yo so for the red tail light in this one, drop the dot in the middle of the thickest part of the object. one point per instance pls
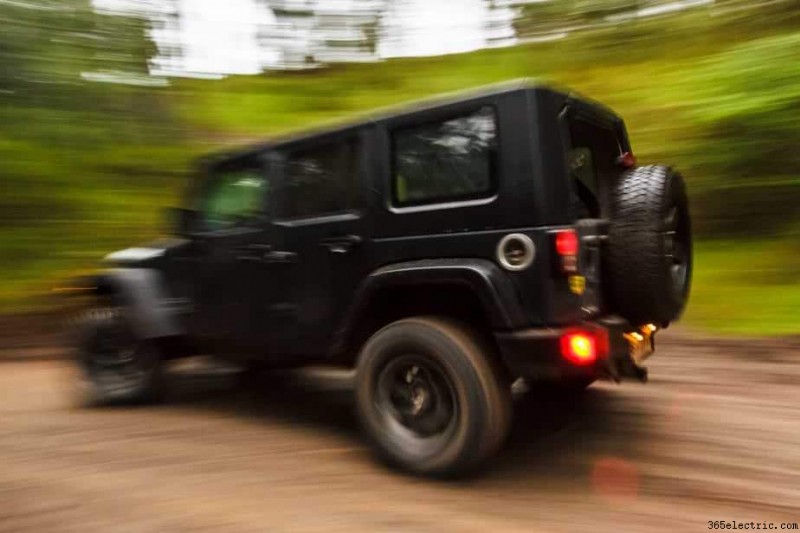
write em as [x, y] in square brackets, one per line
[626, 160]
[579, 347]
[567, 246]
[567, 242]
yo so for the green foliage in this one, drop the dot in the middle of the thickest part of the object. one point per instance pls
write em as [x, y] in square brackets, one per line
[83, 163]
[747, 112]
[598, 10]
[746, 288]
[751, 97]
[558, 15]
[89, 165]
[544, 17]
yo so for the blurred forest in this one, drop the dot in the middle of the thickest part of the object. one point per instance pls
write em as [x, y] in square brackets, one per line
[93, 144]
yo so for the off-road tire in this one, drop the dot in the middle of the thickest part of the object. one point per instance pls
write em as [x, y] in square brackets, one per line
[650, 231]
[481, 390]
[145, 385]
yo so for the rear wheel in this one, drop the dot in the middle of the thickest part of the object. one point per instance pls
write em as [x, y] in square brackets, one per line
[430, 398]
[118, 366]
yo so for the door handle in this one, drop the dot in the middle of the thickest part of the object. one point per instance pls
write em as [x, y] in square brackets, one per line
[280, 256]
[266, 255]
[341, 244]
[253, 253]
[263, 253]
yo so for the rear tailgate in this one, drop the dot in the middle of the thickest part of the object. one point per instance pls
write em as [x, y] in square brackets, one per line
[588, 282]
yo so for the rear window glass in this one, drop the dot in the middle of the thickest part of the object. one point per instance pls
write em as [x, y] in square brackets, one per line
[451, 159]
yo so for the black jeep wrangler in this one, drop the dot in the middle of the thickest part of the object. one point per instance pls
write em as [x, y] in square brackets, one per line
[444, 251]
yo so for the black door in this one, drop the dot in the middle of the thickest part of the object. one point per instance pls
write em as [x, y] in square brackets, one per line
[231, 259]
[321, 227]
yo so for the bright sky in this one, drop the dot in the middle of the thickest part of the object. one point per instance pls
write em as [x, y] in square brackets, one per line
[430, 27]
[220, 37]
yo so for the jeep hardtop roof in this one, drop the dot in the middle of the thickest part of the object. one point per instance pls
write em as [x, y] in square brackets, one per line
[408, 110]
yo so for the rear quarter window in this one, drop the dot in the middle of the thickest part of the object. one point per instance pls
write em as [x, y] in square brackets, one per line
[452, 159]
[592, 164]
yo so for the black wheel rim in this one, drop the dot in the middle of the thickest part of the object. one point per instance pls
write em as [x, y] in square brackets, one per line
[114, 358]
[678, 248]
[417, 402]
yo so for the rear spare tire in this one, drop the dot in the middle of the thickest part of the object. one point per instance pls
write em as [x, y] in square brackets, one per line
[649, 257]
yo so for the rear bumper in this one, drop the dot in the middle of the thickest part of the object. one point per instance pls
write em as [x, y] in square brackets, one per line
[535, 353]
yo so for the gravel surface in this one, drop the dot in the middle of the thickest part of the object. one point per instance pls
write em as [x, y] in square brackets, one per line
[715, 435]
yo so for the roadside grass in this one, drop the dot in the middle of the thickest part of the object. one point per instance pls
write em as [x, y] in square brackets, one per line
[746, 288]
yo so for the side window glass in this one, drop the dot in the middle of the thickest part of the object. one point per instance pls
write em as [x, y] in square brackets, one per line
[235, 197]
[323, 179]
[448, 160]
[592, 161]
[581, 166]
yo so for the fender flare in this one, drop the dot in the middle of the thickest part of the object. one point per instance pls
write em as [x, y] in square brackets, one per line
[143, 293]
[493, 287]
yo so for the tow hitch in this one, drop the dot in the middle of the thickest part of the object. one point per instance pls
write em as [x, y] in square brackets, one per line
[631, 349]
[641, 343]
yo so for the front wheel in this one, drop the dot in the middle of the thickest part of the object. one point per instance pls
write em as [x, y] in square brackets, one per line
[430, 397]
[118, 366]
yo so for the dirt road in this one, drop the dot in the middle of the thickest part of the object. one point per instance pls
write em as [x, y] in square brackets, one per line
[715, 435]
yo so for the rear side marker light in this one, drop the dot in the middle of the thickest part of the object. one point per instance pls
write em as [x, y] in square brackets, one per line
[579, 348]
[583, 347]
[626, 160]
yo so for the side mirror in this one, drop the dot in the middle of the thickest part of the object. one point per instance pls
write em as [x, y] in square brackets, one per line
[182, 221]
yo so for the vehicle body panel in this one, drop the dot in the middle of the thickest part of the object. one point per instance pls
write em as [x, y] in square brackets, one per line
[288, 288]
